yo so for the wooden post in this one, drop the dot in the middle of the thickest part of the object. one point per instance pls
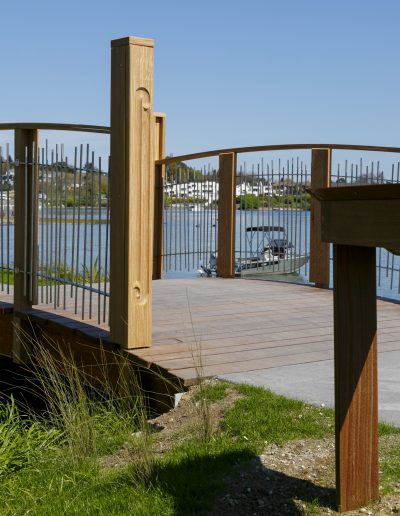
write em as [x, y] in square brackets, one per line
[159, 149]
[132, 191]
[25, 230]
[356, 405]
[319, 251]
[226, 215]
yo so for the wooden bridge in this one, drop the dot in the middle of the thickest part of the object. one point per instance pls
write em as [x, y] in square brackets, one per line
[184, 330]
[216, 326]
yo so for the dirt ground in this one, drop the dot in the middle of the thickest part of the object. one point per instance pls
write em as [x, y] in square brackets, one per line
[296, 478]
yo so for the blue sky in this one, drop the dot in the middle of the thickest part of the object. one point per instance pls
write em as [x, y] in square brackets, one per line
[227, 73]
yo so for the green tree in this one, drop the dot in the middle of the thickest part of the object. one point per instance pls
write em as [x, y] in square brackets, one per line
[248, 202]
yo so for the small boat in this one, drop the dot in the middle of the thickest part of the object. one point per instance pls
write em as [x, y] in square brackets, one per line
[271, 253]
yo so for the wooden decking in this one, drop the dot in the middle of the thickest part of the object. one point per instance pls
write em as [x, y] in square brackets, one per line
[218, 326]
[207, 327]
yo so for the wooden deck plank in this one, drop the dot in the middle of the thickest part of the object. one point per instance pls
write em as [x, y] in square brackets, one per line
[235, 325]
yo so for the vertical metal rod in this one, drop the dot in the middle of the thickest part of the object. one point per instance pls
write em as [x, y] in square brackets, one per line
[106, 272]
[306, 226]
[197, 223]
[48, 223]
[293, 215]
[241, 213]
[78, 240]
[191, 216]
[85, 232]
[99, 256]
[180, 220]
[183, 210]
[91, 237]
[25, 219]
[176, 218]
[32, 215]
[74, 276]
[8, 225]
[42, 267]
[1, 220]
[262, 202]
[61, 268]
[173, 178]
[301, 208]
[65, 232]
[56, 263]
[270, 180]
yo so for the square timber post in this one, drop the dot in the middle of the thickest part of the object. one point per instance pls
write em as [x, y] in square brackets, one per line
[357, 219]
[132, 191]
[226, 215]
[319, 251]
[25, 237]
[159, 174]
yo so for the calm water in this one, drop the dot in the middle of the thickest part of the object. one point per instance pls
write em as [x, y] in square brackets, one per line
[189, 238]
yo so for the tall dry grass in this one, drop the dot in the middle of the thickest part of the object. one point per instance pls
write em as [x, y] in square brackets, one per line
[86, 402]
[204, 403]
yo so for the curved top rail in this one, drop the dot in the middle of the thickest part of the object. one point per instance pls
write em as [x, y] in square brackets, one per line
[289, 146]
[56, 127]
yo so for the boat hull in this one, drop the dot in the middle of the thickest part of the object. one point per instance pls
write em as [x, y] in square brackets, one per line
[284, 266]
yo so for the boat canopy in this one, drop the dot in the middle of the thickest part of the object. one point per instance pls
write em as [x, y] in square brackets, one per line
[266, 229]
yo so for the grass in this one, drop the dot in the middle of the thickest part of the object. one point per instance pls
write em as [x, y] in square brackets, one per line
[275, 419]
[59, 464]
[60, 272]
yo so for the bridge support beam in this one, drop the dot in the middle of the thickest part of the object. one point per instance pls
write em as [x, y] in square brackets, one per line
[356, 384]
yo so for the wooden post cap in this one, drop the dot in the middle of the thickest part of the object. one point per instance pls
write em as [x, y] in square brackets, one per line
[132, 40]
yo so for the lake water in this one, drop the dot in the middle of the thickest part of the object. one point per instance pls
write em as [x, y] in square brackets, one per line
[189, 238]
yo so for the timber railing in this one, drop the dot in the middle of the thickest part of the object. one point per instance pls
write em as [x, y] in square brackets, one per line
[87, 238]
[87, 235]
[54, 223]
[272, 192]
[57, 223]
[77, 234]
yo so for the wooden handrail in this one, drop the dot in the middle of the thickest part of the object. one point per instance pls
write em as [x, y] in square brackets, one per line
[55, 127]
[282, 147]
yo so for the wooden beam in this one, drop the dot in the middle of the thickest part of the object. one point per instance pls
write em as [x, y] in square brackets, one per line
[56, 127]
[226, 215]
[25, 230]
[159, 170]
[284, 147]
[319, 251]
[370, 223]
[356, 405]
[132, 191]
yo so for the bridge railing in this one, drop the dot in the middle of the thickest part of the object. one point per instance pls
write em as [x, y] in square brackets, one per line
[269, 190]
[90, 237]
[55, 213]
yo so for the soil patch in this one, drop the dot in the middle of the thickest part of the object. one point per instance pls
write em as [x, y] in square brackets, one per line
[295, 478]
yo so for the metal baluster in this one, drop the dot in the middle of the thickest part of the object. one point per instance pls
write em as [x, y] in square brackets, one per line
[91, 236]
[99, 256]
[42, 267]
[73, 266]
[65, 229]
[106, 272]
[1, 220]
[78, 240]
[85, 232]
